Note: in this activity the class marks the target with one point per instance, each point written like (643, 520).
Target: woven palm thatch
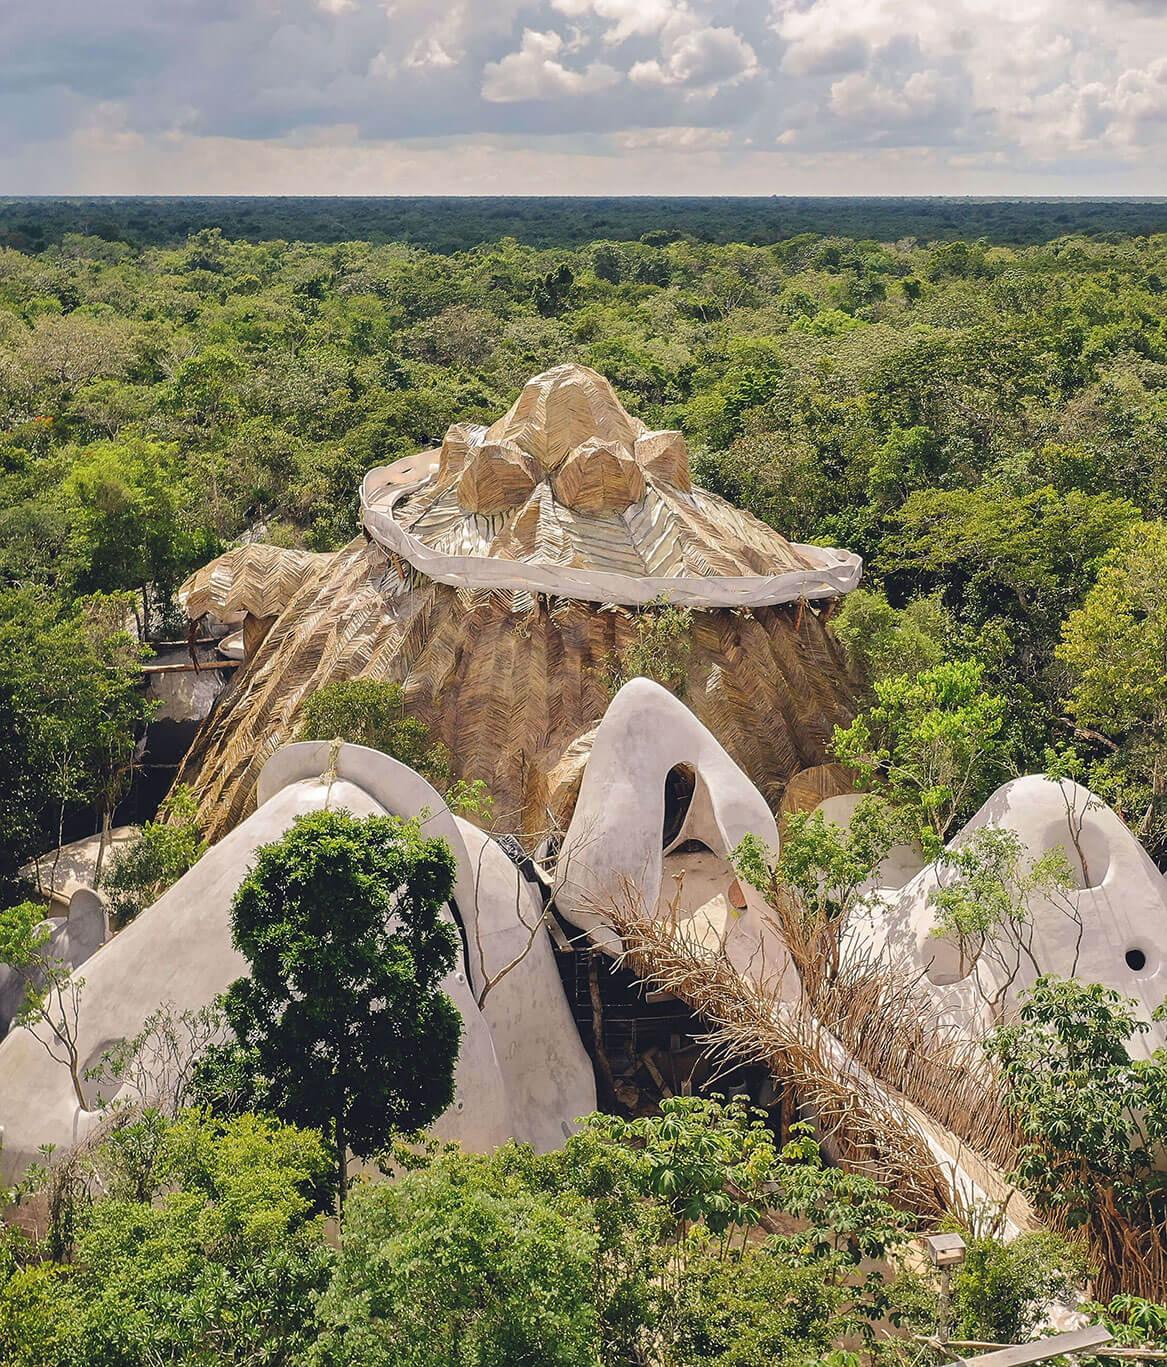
(809, 789)
(568, 481)
(510, 680)
(256, 579)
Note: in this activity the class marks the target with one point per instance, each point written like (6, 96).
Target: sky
(800, 97)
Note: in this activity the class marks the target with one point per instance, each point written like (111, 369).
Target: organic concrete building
(522, 1070)
(495, 581)
(498, 579)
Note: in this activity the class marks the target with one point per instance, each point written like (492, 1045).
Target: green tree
(882, 641)
(901, 465)
(343, 1014)
(551, 291)
(18, 791)
(1094, 1121)
(779, 478)
(75, 684)
(51, 999)
(640, 1241)
(1002, 1291)
(131, 523)
(372, 712)
(1030, 554)
(1094, 1117)
(933, 743)
(441, 1268)
(984, 901)
(824, 866)
(191, 1241)
(1114, 648)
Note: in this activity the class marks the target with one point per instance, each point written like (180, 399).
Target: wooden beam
(1131, 1354)
(185, 645)
(187, 668)
(1042, 1350)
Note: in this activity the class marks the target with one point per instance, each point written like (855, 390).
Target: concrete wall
(179, 951)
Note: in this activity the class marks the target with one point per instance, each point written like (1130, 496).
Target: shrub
(197, 1243)
(372, 712)
(1001, 1292)
(158, 856)
(660, 649)
(440, 1268)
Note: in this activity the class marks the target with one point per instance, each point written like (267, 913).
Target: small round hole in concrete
(1136, 960)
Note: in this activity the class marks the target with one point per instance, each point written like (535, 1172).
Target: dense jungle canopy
(460, 222)
(985, 422)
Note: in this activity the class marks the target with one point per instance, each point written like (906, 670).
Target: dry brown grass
(867, 1122)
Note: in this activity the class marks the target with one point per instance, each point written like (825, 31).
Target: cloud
(674, 139)
(535, 72)
(626, 18)
(699, 59)
(863, 99)
(430, 52)
(1034, 80)
(973, 96)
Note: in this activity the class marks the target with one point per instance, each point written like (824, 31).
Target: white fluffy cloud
(859, 98)
(1043, 78)
(699, 59)
(535, 72)
(624, 18)
(790, 96)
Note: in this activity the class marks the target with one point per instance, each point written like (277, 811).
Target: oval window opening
(680, 784)
(1136, 960)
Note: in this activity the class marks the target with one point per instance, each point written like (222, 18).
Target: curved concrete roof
(522, 1071)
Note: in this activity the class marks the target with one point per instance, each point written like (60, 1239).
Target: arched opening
(680, 785)
(1086, 847)
(100, 1080)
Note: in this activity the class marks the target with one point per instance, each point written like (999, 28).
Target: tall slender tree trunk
(341, 1166)
(57, 851)
(103, 843)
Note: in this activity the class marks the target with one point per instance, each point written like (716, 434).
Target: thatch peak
(561, 410)
(256, 579)
(566, 419)
(581, 500)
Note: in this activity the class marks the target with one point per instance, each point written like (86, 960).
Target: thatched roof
(256, 579)
(511, 678)
(569, 495)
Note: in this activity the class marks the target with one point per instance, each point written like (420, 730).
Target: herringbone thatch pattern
(808, 789)
(508, 677)
(507, 684)
(256, 579)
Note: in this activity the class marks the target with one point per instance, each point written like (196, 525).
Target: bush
(1002, 1291)
(439, 1268)
(371, 712)
(193, 1242)
(157, 857)
(660, 649)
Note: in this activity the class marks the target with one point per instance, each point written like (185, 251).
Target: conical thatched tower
(498, 580)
